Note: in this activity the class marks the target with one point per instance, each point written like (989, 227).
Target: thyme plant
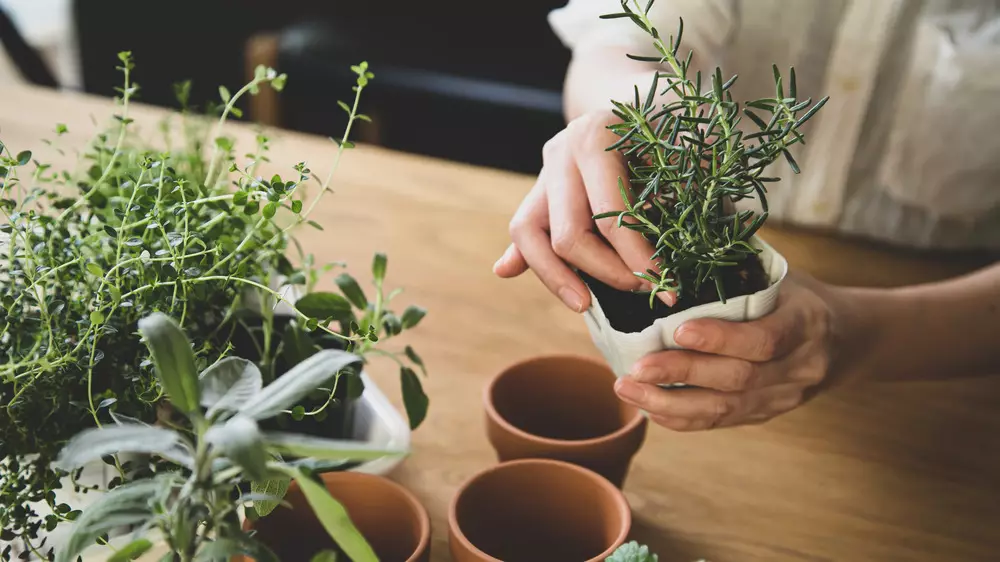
(192, 231)
(689, 160)
(192, 505)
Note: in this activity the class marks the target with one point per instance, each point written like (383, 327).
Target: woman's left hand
(745, 372)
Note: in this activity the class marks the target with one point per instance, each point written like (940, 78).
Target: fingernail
(571, 298)
(668, 298)
(688, 337)
(629, 390)
(498, 263)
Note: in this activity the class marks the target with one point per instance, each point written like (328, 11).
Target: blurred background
(504, 94)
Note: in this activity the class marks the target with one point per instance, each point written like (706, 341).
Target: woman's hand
(746, 372)
(554, 227)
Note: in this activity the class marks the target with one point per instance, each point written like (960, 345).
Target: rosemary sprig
(689, 160)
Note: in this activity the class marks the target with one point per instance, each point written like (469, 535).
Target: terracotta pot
(563, 408)
(537, 510)
(395, 524)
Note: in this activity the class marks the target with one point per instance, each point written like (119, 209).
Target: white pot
(621, 350)
(376, 420)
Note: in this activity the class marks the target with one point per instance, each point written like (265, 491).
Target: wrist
(859, 320)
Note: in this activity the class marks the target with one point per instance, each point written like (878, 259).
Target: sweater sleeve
(707, 25)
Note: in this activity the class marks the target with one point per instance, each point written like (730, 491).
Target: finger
(528, 230)
(510, 264)
(710, 406)
(773, 336)
(601, 171)
(572, 225)
(704, 371)
(680, 424)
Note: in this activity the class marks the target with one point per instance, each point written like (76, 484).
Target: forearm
(935, 331)
(601, 74)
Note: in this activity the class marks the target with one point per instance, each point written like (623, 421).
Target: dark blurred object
(26, 59)
(475, 83)
(202, 41)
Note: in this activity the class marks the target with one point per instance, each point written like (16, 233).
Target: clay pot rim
(632, 425)
(423, 518)
(619, 499)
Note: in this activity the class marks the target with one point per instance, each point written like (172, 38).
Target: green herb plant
(689, 161)
(191, 230)
(192, 504)
(632, 552)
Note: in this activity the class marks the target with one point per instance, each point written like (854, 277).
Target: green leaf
(325, 556)
(122, 506)
(352, 290)
(323, 305)
(228, 383)
(226, 549)
(412, 316)
(315, 225)
(300, 380)
(297, 206)
(355, 386)
(333, 517)
(131, 551)
(298, 413)
(414, 399)
(416, 359)
(632, 552)
(224, 94)
(307, 446)
(240, 440)
(240, 198)
(391, 323)
(61, 129)
(296, 345)
(379, 263)
(270, 209)
(344, 106)
(96, 317)
(279, 82)
(95, 269)
(92, 444)
(273, 487)
(23, 158)
(174, 360)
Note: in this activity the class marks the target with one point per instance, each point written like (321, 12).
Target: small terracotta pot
(563, 408)
(392, 520)
(537, 510)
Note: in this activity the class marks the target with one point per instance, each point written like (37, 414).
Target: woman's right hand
(554, 229)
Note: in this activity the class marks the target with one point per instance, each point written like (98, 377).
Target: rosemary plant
(204, 239)
(689, 160)
(193, 504)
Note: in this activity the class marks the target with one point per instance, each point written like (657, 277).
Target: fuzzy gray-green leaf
(291, 387)
(174, 360)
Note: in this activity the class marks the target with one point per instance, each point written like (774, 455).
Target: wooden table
(884, 472)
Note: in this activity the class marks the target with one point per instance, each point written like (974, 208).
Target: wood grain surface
(871, 472)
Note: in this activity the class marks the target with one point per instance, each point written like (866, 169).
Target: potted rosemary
(190, 230)
(690, 162)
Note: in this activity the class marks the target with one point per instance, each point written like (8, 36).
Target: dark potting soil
(630, 312)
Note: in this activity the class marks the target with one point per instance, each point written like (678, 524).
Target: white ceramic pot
(621, 350)
(376, 420)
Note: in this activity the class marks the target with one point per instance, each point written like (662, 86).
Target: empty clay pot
(394, 523)
(563, 408)
(537, 510)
